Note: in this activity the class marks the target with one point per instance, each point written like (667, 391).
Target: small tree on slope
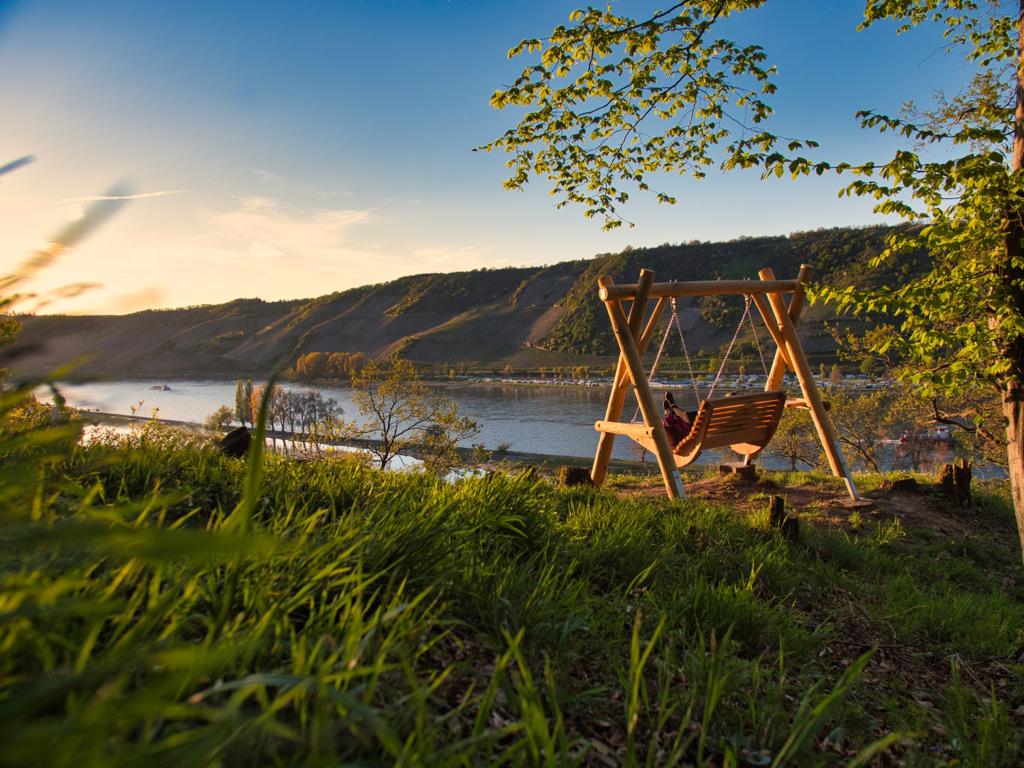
(400, 413)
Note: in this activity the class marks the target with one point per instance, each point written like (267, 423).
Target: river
(531, 418)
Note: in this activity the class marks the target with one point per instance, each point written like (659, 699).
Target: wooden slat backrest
(744, 420)
(745, 423)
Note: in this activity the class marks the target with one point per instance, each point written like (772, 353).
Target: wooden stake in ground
(955, 481)
(787, 525)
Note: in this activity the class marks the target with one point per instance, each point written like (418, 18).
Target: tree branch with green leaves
(613, 99)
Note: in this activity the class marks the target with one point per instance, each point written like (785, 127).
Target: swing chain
(674, 321)
(757, 345)
(661, 347)
(686, 352)
(725, 358)
(661, 350)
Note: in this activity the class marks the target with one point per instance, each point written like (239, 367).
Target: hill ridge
(519, 316)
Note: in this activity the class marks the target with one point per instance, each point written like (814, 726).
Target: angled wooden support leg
(634, 366)
(623, 381)
(796, 308)
(781, 360)
(645, 338)
(620, 380)
(802, 369)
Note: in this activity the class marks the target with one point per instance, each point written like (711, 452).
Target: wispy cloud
(301, 251)
(259, 245)
(124, 303)
(265, 175)
(269, 230)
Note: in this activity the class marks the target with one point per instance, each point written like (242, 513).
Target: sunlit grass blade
(241, 518)
(16, 164)
(811, 718)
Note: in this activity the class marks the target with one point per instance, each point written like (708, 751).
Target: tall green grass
(161, 604)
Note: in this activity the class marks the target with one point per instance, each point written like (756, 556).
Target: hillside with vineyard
(487, 318)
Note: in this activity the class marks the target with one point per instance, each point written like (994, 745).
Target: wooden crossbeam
(622, 428)
(799, 402)
(614, 292)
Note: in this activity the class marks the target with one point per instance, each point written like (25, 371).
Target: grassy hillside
(523, 316)
(839, 256)
(377, 618)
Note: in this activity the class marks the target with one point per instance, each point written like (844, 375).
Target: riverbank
(852, 382)
(547, 420)
(495, 458)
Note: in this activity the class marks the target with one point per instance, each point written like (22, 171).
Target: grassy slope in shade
(389, 618)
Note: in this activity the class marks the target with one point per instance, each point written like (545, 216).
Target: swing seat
(744, 423)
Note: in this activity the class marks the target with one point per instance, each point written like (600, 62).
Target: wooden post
(645, 340)
(787, 525)
(796, 308)
(617, 398)
(802, 369)
(781, 360)
(649, 330)
(955, 481)
(634, 365)
(620, 380)
(624, 291)
(780, 352)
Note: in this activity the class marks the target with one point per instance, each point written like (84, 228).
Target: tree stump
(787, 525)
(955, 482)
(903, 484)
(746, 472)
(570, 476)
(235, 443)
(529, 472)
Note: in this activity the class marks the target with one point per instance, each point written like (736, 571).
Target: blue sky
(287, 150)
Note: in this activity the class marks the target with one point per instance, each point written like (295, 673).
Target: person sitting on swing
(678, 422)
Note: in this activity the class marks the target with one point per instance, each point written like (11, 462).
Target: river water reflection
(557, 420)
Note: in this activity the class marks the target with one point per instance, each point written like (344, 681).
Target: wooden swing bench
(744, 423)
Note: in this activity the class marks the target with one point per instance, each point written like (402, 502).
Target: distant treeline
(328, 366)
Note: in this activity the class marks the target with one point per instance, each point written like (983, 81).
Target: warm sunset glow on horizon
(280, 152)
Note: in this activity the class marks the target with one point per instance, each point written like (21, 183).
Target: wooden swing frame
(781, 320)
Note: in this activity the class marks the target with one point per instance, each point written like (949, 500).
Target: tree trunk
(1013, 408)
(1012, 274)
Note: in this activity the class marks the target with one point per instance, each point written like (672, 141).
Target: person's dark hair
(670, 401)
